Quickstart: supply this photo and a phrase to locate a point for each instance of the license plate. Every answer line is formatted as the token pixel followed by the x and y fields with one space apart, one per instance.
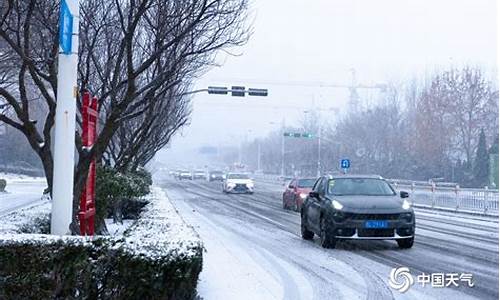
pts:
pixel 376 224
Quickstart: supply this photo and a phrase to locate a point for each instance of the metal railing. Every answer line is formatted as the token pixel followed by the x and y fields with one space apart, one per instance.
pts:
pixel 445 196
pixel 481 201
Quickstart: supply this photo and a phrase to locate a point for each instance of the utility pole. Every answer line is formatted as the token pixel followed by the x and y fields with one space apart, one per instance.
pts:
pixel 64 133
pixel 258 155
pixel 283 147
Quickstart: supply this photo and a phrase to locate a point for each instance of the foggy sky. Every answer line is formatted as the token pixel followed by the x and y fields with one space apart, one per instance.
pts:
pixel 322 41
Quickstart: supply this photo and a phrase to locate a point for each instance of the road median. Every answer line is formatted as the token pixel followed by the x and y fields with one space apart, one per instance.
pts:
pixel 158 257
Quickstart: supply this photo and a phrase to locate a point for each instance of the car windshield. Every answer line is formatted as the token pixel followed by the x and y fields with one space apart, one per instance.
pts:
pixel 359 186
pixel 306 183
pixel 237 176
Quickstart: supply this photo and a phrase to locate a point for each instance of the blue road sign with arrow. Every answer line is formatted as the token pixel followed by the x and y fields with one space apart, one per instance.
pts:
pixel 65 28
pixel 345 164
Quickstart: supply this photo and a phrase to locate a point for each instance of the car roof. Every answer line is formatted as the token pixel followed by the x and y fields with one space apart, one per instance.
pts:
pixel 372 176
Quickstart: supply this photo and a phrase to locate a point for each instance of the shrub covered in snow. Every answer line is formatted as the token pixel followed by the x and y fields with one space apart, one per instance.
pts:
pixel 159 257
pixel 116 192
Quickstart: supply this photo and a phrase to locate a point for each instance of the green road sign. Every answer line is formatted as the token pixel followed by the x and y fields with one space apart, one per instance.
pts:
pixel 298 135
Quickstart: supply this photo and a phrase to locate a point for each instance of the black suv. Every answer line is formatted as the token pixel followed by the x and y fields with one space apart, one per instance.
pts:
pixel 357 207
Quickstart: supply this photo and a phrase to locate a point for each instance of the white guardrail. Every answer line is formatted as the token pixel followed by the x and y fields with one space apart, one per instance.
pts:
pixel 439 196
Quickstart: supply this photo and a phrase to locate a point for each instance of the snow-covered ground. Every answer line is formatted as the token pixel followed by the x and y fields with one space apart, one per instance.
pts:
pixel 254 251
pixel 117 229
pixel 19 219
pixel 21 191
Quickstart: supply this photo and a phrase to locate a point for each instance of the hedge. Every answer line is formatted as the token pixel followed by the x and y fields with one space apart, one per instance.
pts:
pixel 159 257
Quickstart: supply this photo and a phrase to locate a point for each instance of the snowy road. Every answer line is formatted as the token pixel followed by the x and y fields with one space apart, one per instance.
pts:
pixel 21 191
pixel 254 251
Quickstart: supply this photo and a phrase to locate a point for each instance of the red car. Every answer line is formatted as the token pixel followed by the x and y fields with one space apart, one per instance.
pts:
pixel 296 192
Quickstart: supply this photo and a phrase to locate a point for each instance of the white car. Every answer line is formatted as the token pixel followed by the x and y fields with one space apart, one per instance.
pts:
pixel 199 174
pixel 183 174
pixel 237 183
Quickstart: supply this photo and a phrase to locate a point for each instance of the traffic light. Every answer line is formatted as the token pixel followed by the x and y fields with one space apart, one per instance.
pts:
pixel 217 90
pixel 297 135
pixel 238 91
pixel 288 134
pixel 308 135
pixel 257 92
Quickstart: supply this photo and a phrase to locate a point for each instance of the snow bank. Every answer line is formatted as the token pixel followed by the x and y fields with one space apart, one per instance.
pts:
pixel 160 231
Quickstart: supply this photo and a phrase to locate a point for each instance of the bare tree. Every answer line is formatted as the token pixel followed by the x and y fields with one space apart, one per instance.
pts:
pixel 130 53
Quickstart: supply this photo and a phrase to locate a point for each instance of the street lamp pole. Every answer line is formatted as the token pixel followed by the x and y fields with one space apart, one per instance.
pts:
pixel 318 173
pixel 282 153
pixel 239 154
pixel 258 155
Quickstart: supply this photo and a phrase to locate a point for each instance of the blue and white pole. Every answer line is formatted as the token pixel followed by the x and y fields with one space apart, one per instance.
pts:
pixel 64 133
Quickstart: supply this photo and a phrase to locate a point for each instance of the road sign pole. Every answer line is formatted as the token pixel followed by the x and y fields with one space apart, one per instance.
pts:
pixel 345 164
pixel 64 133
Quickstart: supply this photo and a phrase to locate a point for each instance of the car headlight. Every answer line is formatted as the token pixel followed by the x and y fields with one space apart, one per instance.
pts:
pixel 406 204
pixel 250 184
pixel 231 185
pixel 337 205
pixel 408 217
pixel 303 196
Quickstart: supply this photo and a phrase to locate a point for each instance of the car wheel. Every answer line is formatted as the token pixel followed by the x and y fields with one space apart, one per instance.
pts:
pixel 306 233
pixel 327 240
pixel 285 206
pixel 405 243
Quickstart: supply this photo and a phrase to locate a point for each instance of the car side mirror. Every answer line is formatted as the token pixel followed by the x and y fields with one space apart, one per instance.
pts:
pixel 290 186
pixel 404 194
pixel 314 195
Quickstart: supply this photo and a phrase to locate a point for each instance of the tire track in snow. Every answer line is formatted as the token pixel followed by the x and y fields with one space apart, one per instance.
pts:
pixel 376 288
